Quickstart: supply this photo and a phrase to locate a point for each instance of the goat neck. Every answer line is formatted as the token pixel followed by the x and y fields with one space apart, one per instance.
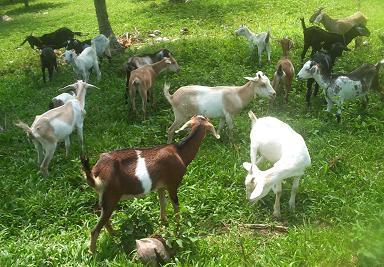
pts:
pixel 248 34
pixel 159 66
pixel 328 22
pixel 81 95
pixel 246 92
pixel 323 79
pixel 189 147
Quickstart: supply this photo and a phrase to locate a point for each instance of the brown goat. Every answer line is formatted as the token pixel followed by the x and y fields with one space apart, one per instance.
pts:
pixel 129 173
pixel 285 71
pixel 143 78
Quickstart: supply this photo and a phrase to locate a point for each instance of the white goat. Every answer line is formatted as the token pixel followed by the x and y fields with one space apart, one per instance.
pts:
pixel 83 63
pixel 339 88
pixel 260 40
pixel 216 102
pixel 101 44
pixel 277 142
pixel 56 125
pixel 61 99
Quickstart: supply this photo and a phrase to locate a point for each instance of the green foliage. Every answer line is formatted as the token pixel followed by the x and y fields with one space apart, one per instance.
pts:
pixel 47 221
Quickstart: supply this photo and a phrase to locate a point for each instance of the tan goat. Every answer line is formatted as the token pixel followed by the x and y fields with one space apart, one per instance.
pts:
pixel 284 69
pixel 143 78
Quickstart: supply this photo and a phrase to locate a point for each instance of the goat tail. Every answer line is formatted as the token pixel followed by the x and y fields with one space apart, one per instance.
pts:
pixel 87 170
pixel 167 95
pixel 268 36
pixel 25 127
pixel 252 116
pixel 303 23
pixel 378 64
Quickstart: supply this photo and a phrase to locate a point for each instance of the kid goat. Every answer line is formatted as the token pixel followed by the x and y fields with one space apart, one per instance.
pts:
pixel 83 64
pixel 285 72
pixel 216 102
pixel 143 78
pixel 260 40
pixel 277 142
pixel 56 125
pixel 339 88
pixel 129 173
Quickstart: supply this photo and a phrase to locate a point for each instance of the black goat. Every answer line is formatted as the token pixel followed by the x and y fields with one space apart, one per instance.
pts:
pixel 77 45
pixel 325 58
pixel 318 38
pixel 136 62
pixel 55 40
pixel 48 60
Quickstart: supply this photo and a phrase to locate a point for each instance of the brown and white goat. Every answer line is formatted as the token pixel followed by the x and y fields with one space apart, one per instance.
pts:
pixel 56 125
pixel 285 72
pixel 129 173
pixel 143 78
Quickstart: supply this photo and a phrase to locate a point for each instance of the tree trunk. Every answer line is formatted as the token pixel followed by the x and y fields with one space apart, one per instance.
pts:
pixel 104 25
pixel 26 3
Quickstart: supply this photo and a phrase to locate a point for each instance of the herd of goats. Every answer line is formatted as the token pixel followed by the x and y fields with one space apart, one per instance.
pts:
pixel 128 173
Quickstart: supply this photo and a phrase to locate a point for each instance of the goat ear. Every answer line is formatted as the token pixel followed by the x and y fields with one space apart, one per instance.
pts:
pixel 257 191
pixel 247 166
pixel 168 61
pixel 186 125
pixel 213 131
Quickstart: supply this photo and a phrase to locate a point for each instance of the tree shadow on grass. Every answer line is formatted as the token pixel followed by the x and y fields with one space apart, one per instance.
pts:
pixel 34 8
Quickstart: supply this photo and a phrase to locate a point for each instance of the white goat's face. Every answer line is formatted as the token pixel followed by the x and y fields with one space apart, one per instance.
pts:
pixel 263 87
pixel 255 182
pixel 241 30
pixel 309 69
pixel 68 55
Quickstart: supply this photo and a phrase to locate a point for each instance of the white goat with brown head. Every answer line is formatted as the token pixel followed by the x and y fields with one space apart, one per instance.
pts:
pixel 216 102
pixel 56 125
pixel 143 78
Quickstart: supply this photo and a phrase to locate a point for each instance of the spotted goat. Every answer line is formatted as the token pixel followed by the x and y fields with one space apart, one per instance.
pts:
pixel 129 173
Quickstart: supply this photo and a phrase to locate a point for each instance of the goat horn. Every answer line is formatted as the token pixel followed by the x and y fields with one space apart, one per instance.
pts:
pixel 67 87
pixel 91 85
pixel 186 125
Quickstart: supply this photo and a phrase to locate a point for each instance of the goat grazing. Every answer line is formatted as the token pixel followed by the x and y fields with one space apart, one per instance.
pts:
pixel 318 38
pixel 276 142
pixel 136 62
pixel 55 40
pixel 77 45
pixel 48 61
pixel 216 102
pixel 129 173
pixel 56 125
pixel 83 64
pixel 260 40
pixel 339 88
pixel 143 78
pixel 101 44
pixel 285 72
pixel 340 26
pixel 61 99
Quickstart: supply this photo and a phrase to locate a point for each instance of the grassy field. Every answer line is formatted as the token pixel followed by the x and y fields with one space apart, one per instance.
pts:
pixel 47 221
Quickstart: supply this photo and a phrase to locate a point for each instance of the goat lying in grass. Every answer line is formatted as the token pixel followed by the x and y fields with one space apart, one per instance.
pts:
pixel 276 142
pixel 57 39
pixel 129 173
pixel 285 72
pixel 260 40
pixel 222 102
pixel 339 88
pixel 56 125
pixel 318 38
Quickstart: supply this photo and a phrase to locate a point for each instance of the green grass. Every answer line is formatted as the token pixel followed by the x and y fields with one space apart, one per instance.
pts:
pixel 47 221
